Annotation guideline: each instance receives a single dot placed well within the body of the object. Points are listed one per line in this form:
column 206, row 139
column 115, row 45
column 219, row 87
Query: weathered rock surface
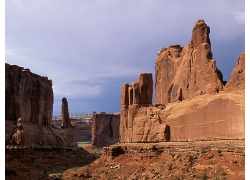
column 190, row 101
column 207, row 117
column 66, row 123
column 27, row 96
column 184, row 72
column 105, row 129
column 237, row 79
column 30, row 97
column 145, row 128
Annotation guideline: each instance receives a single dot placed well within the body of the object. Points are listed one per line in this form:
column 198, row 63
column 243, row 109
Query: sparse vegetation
column 172, row 155
column 223, row 173
column 143, row 168
column 204, row 177
column 203, row 151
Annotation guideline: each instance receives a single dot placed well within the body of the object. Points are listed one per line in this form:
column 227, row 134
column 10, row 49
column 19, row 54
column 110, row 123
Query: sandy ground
column 224, row 159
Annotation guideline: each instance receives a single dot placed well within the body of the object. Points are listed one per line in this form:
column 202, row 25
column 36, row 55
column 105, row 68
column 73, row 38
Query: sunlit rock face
column 185, row 72
column 137, row 124
column 237, row 79
column 191, row 100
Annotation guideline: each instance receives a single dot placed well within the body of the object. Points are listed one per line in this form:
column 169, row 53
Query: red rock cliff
column 27, row 96
column 30, row 97
column 191, row 102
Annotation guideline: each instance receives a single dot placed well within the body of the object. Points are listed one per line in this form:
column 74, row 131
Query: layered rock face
column 66, row 123
column 133, row 98
column 105, row 129
column 29, row 97
column 184, row 72
column 206, row 117
column 191, row 101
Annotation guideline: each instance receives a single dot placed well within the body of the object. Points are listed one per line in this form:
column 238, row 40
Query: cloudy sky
column 91, row 48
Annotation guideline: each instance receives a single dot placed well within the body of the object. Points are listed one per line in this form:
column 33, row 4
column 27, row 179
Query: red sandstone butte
column 190, row 101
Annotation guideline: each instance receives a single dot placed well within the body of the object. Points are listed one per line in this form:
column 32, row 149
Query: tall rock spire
column 66, row 123
column 184, row 72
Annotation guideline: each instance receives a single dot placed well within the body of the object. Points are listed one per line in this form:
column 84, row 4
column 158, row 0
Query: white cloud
column 239, row 17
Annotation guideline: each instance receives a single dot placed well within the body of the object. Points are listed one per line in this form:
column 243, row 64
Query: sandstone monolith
column 185, row 72
column 66, row 122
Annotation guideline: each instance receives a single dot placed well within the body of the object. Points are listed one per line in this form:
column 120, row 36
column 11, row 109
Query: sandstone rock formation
column 237, row 79
column 30, row 97
column 66, row 123
column 184, row 72
column 206, row 117
column 27, row 96
column 147, row 128
column 105, row 129
column 190, row 101
column 19, row 134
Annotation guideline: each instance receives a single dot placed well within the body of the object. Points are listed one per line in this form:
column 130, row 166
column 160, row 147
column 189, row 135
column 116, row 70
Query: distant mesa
column 105, row 128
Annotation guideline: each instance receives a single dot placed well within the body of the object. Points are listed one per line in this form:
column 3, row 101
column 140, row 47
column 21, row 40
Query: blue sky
column 91, row 48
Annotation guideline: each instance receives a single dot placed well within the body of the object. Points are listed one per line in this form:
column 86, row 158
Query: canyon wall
column 192, row 102
column 105, row 129
column 29, row 97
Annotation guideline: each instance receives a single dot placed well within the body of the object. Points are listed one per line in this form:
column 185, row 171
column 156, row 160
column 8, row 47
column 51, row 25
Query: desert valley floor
column 220, row 159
